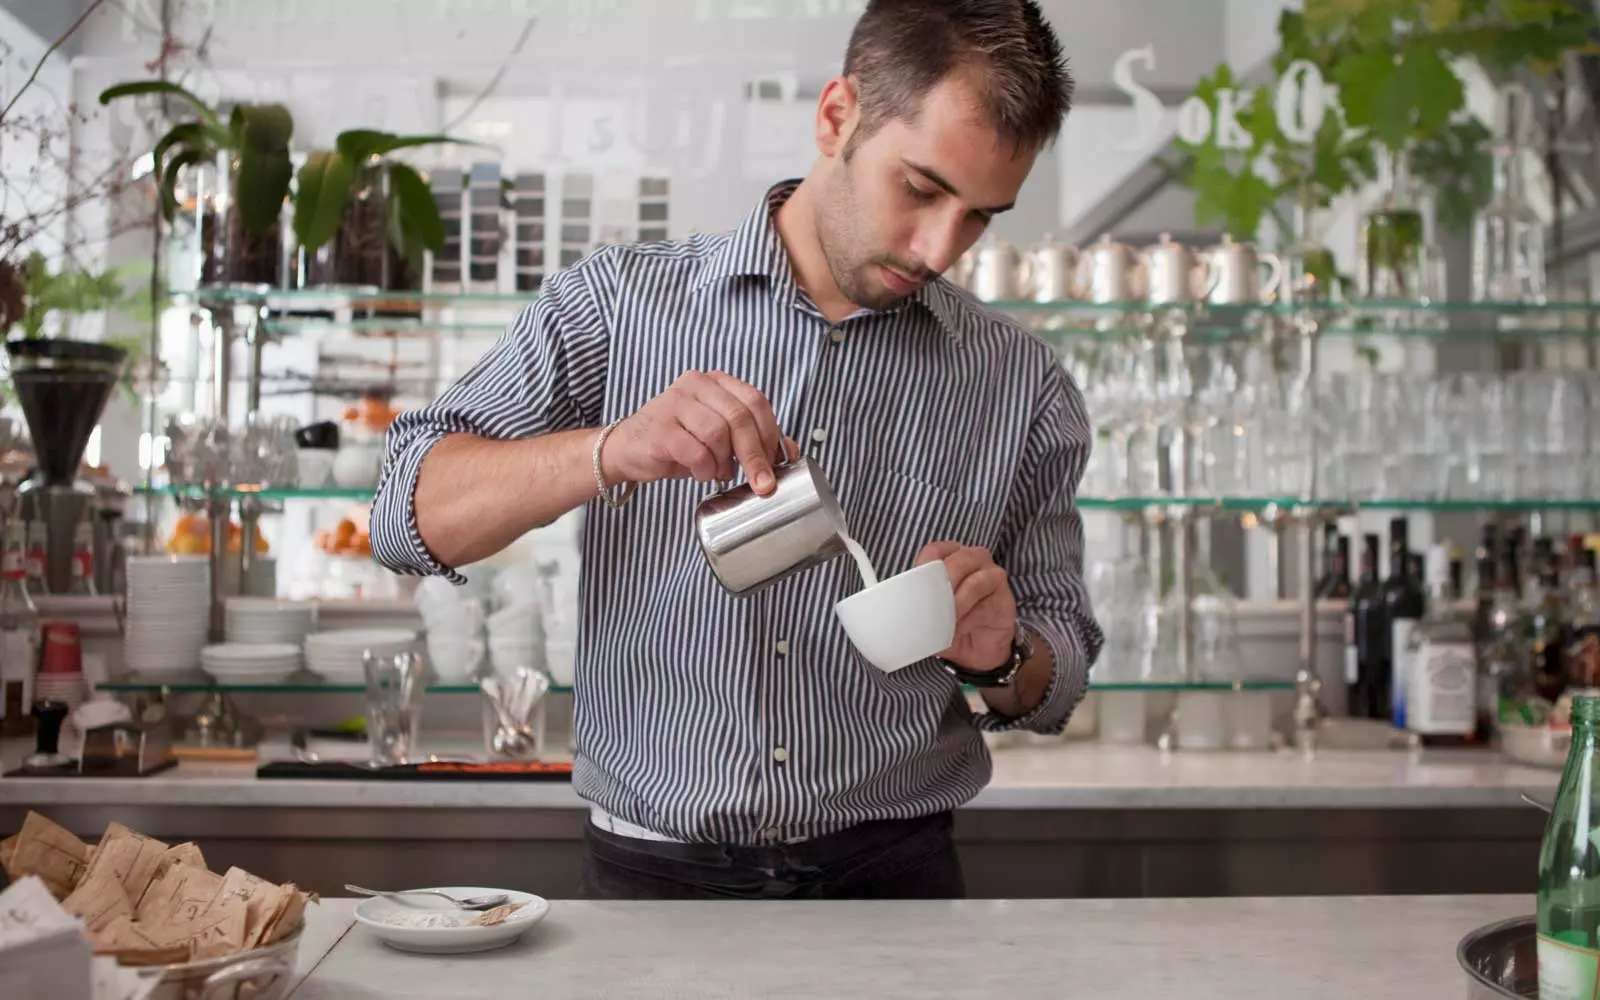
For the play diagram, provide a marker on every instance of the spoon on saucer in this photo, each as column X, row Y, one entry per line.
column 485, row 902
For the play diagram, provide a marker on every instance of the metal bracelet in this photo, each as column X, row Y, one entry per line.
column 601, row 486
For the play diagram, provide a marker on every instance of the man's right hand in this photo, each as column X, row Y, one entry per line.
column 702, row 425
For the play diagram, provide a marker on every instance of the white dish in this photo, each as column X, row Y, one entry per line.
column 373, row 913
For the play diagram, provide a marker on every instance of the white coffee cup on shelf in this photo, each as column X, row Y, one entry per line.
column 904, row 619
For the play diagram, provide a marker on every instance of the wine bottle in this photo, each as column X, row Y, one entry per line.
column 1569, row 870
column 1403, row 605
column 1364, row 629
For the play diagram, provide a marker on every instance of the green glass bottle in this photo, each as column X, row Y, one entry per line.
column 1569, row 869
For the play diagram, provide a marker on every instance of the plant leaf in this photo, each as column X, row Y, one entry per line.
column 185, row 135
column 163, row 87
column 324, row 188
column 1419, row 96
column 263, row 127
column 1362, row 79
column 169, row 179
column 418, row 211
column 260, row 186
column 359, row 145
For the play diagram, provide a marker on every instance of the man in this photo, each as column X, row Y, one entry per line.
column 741, row 747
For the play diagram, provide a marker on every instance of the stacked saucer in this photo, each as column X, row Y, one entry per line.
column 336, row 656
column 251, row 663
column 168, row 612
column 267, row 621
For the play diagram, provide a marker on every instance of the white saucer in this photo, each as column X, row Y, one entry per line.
column 450, row 940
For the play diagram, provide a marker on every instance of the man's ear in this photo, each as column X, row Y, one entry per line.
column 838, row 115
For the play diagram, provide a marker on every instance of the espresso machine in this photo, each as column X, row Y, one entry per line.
column 63, row 387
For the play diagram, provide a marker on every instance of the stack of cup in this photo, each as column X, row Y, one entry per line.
column 60, row 677
column 538, row 605
column 454, row 630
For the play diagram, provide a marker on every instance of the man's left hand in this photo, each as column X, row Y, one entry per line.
column 986, row 611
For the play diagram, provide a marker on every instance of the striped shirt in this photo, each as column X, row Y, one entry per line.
column 710, row 718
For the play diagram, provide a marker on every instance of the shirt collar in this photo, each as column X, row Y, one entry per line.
column 755, row 249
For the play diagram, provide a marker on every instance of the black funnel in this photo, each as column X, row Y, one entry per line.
column 63, row 386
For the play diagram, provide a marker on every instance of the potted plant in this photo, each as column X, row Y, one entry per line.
column 70, row 292
column 1399, row 99
column 362, row 218
column 242, row 171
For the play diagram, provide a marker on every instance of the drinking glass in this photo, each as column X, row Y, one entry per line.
column 395, row 686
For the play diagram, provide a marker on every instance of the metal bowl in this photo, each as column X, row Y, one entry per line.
column 257, row 974
column 1501, row 960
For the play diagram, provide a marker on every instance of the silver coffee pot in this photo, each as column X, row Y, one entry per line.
column 1049, row 271
column 1110, row 273
column 752, row 541
column 1178, row 275
column 960, row 273
column 997, row 271
column 1238, row 274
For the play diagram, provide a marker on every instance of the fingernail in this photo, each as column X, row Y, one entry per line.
column 765, row 482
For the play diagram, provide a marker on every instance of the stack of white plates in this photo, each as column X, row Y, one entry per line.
column 265, row 621
column 336, row 656
column 168, row 612
column 251, row 663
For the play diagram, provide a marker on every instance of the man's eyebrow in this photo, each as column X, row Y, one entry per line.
column 933, row 175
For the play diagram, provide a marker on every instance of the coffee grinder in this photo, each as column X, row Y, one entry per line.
column 63, row 386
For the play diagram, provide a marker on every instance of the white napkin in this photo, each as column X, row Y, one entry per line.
column 43, row 951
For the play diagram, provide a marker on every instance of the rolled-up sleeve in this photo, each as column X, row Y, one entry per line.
column 1041, row 549
column 546, row 373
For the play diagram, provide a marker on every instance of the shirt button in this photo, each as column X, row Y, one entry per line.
column 819, row 435
column 782, row 647
column 837, row 336
column 780, row 755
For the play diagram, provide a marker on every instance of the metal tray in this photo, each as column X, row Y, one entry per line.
column 1501, row 960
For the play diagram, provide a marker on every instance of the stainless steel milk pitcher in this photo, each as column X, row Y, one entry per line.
column 753, row 541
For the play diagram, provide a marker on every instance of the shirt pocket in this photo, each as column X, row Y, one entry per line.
column 909, row 512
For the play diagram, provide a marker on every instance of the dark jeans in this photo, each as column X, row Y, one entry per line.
column 892, row 859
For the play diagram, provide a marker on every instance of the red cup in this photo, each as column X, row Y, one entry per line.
column 63, row 650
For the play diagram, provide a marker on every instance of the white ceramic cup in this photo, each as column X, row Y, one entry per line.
column 903, row 619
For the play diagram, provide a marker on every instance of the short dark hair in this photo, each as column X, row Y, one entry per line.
column 900, row 49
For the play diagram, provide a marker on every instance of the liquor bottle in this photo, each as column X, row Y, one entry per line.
column 1583, row 630
column 1568, row 901
column 19, row 635
column 37, row 553
column 1336, row 586
column 1364, row 629
column 1441, row 703
column 1508, row 694
column 82, row 560
column 1330, row 543
column 1403, row 605
column 1547, row 639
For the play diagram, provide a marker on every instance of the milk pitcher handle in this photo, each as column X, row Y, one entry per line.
column 1274, row 265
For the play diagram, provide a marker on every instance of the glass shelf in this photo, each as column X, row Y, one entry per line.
column 1257, row 505
column 320, row 297
column 1254, row 685
column 190, row 684
column 361, row 494
column 400, row 326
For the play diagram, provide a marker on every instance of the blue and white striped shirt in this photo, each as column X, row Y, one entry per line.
column 705, row 717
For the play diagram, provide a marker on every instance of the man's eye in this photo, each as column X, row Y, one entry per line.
column 919, row 194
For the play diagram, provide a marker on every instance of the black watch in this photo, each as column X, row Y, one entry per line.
column 1021, row 652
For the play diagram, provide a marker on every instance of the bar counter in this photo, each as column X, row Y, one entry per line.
column 1233, row 949
column 1070, row 820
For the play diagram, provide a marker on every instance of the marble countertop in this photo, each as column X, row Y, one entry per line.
column 1229, row 949
column 1066, row 776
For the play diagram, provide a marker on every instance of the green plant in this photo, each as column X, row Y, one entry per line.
column 1397, row 92
column 330, row 178
column 256, row 135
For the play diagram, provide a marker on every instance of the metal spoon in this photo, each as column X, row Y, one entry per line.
column 486, row 902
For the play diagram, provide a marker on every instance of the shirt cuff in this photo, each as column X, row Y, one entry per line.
column 1069, row 680
column 396, row 542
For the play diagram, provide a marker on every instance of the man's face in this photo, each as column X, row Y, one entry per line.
column 911, row 198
